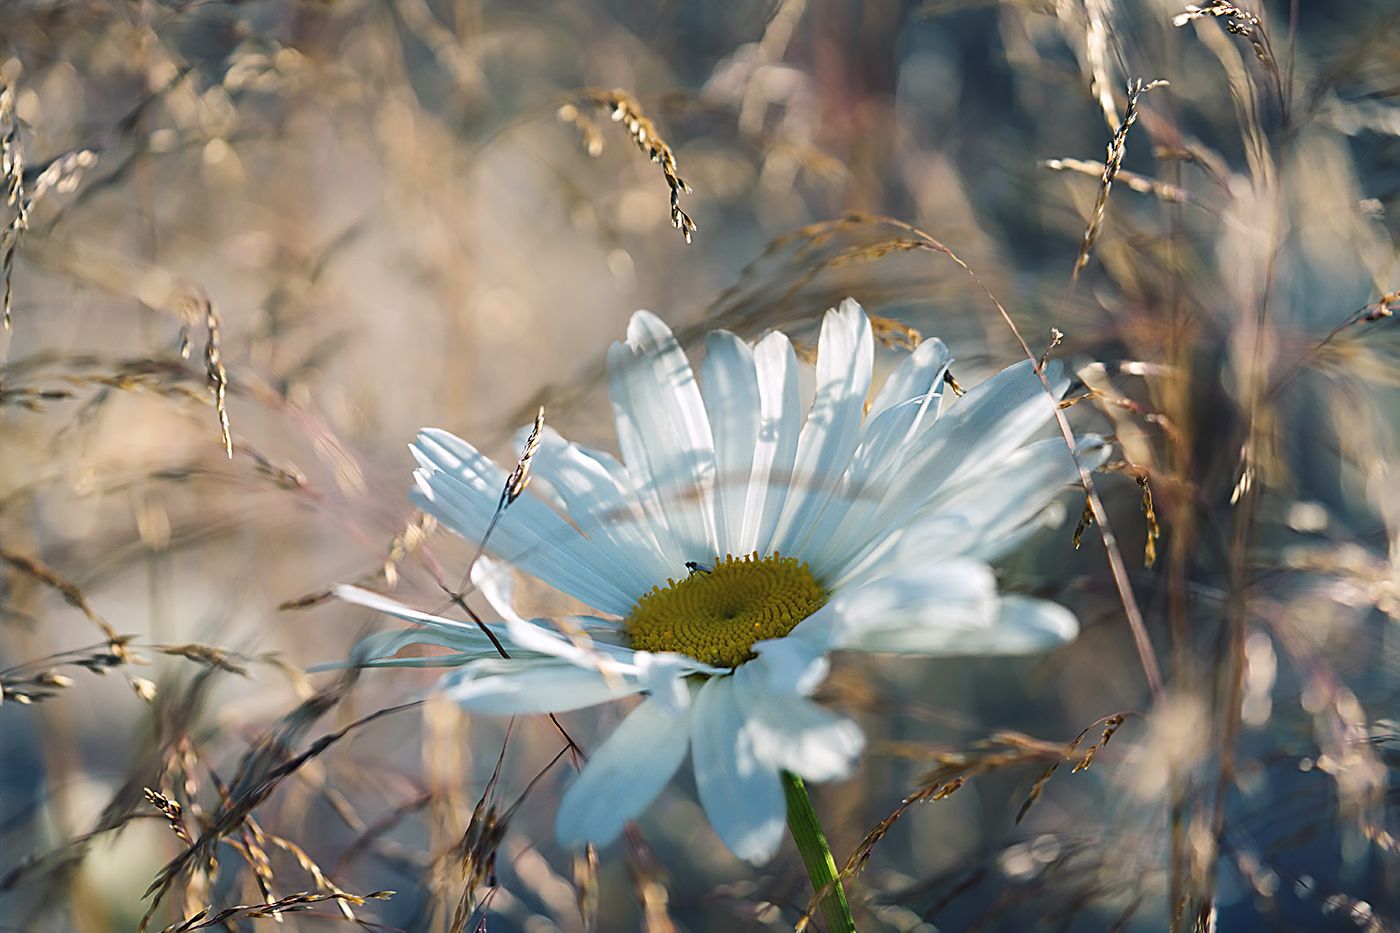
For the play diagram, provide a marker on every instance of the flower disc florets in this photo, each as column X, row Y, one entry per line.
column 716, row 616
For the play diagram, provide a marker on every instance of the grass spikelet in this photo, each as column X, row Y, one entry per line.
column 1154, row 530
column 173, row 812
column 623, row 108
column 1240, row 22
column 202, row 308
column 12, row 170
column 519, row 477
column 1117, row 147
column 1086, row 518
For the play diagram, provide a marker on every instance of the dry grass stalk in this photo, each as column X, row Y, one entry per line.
column 1153, row 534
column 624, row 108
column 33, row 689
column 474, row 855
column 292, row 903
column 1086, row 518
column 206, row 654
column 1383, row 307
column 69, row 591
column 1110, row 726
column 263, row 769
column 1161, row 190
column 1240, row 22
column 894, row 334
column 1057, row 337
column 1154, row 530
column 649, row 885
column 954, row 769
column 31, row 399
column 1117, row 147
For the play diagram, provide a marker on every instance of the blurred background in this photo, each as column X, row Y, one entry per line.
column 251, row 247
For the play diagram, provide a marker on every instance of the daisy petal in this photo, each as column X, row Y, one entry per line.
column 780, row 423
column 378, row 650
column 461, row 487
column 501, row 687
column 845, row 357
column 1028, row 626
column 624, row 775
column 465, row 635
column 596, row 496
column 788, row 666
column 664, row 432
column 998, row 507
column 918, row 374
column 884, row 446
column 986, row 424
column 928, row 610
column 560, row 638
column 794, row 734
column 905, row 408
column 729, row 385
column 740, row 791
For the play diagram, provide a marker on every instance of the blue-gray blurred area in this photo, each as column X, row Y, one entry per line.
column 252, row 247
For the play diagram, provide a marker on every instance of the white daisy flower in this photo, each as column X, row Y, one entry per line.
column 734, row 546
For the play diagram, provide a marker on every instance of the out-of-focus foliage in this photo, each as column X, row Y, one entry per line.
column 250, row 247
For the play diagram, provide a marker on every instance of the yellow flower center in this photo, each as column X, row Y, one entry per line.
column 715, row 616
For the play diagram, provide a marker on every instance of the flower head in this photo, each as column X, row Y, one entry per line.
column 734, row 546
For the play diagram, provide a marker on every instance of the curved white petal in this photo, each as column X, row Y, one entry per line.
column 779, row 425
column 468, row 633
column 995, row 506
column 665, row 677
column 378, row 650
column 533, row 685
column 1026, row 625
column 994, row 418
column 664, row 432
column 905, row 408
column 561, row 638
column 845, row 358
column 624, row 775
column 791, row 733
column 740, row 791
column 788, row 666
column 932, row 610
column 918, row 374
column 729, row 385
column 597, row 497
column 461, row 487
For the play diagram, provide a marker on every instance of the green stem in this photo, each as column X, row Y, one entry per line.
column 816, row 854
